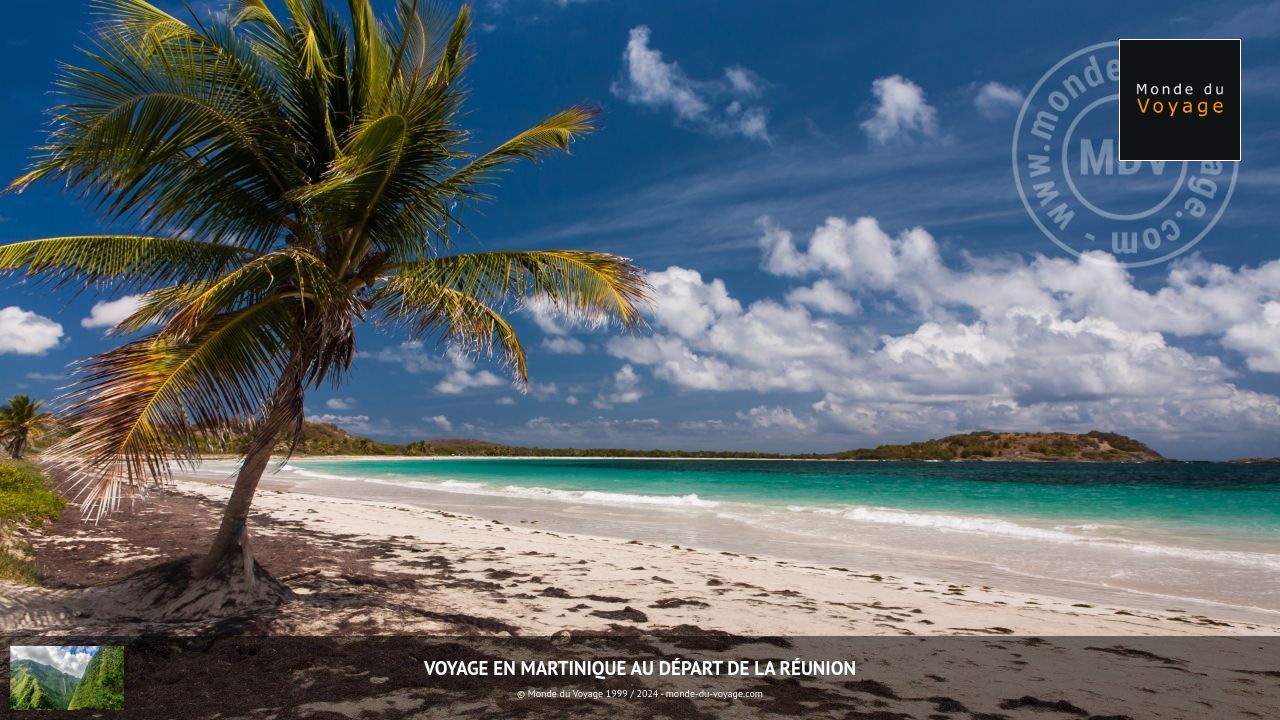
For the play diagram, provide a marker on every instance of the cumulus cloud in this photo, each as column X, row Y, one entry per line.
column 340, row 403
column 994, row 342
column 23, row 332
column 764, row 417
column 71, row 659
column 824, row 296
column 626, row 389
column 464, row 376
column 440, row 421
column 110, row 313
column 995, row 101
column 412, row 355
column 720, row 107
column 1258, row 339
column 556, row 324
column 460, row 371
column 901, row 111
column 564, row 346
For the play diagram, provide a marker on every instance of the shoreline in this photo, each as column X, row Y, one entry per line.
column 1049, row 599
column 374, row 564
column 1157, row 562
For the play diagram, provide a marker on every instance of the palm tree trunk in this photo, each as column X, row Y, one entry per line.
column 281, row 412
column 19, row 444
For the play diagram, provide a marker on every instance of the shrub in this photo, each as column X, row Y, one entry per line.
column 25, row 504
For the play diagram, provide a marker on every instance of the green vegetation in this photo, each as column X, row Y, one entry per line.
column 102, row 687
column 21, row 423
column 325, row 439
column 36, row 686
column 26, row 505
column 286, row 172
column 1092, row 446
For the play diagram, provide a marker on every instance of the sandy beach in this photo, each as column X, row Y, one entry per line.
column 404, row 568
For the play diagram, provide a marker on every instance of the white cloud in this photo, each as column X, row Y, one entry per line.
column 1258, row 339
column 340, row 403
column 347, row 421
column 596, row 431
column 464, row 376
column 110, row 313
column 411, row 355
column 506, row 400
column 71, row 660
column 460, row 372
column 544, row 391
column 1049, row 343
column 364, row 425
column 719, row 107
column 901, row 111
column 824, row 296
column 995, row 101
column 626, row 389
column 564, row 346
column 775, row 418
column 25, row 333
column 46, row 377
column 440, row 421
column 556, row 323
column 742, row 80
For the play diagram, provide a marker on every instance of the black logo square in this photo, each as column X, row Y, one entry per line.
column 1179, row 100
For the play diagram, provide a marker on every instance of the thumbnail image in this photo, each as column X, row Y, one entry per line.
column 70, row 677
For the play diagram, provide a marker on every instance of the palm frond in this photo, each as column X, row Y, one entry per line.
column 582, row 284
column 455, row 319
column 125, row 261
column 289, row 272
column 555, row 133
column 174, row 129
column 460, row 297
column 143, row 405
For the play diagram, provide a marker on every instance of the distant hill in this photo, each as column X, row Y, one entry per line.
column 1092, row 446
column 36, row 686
column 327, row 439
column 102, row 687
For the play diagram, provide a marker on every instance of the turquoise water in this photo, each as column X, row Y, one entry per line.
column 1173, row 533
column 1239, row 502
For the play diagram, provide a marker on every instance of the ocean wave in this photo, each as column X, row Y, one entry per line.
column 977, row 525
column 1084, row 533
column 594, row 497
column 610, row 498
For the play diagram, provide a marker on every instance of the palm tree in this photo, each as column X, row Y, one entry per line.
column 283, row 180
column 22, row 422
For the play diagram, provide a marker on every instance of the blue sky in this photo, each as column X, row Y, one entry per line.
column 823, row 196
column 70, row 659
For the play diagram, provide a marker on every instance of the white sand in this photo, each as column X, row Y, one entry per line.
column 678, row 585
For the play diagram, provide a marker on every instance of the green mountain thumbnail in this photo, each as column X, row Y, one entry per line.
column 36, row 686
column 102, row 687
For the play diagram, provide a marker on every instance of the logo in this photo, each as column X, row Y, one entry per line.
column 1082, row 196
